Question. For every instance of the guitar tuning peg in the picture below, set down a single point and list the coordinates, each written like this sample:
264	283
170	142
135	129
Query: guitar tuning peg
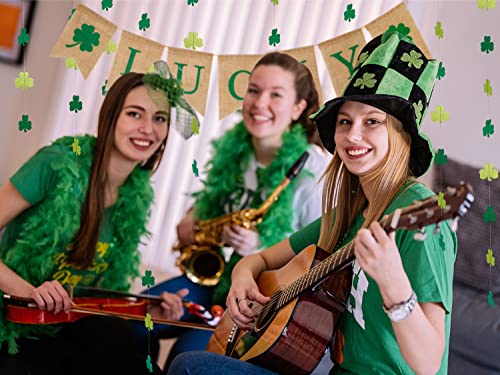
420	235
437	229
454	224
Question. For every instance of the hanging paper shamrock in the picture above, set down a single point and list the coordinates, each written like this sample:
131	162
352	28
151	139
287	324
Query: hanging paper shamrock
103	88
24	124
148	322
490	259
487	45
148	279
71	63
195	128
75	105
488	129
144	22
350	13
275	2
110	47
86	37
149	365
23	38
486	4
76	147
194	167
488	90
441	158
488	172
440	115
441	71
274	38
24	81
192	2
438	30
489	215
441	200
192	41
491	302
106	4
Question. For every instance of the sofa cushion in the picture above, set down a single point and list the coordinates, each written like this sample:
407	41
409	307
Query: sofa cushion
473	233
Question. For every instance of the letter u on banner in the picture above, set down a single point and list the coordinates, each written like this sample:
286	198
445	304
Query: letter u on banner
134	54
193	70
84	38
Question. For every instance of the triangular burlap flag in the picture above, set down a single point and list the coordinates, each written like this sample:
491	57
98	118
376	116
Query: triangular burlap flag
306	56
134	54
84	38
234	71
340	55
393	17
193	70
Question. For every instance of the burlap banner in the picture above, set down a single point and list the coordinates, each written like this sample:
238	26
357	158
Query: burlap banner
86	35
84	38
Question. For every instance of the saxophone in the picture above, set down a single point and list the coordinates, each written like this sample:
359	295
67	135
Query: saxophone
201	261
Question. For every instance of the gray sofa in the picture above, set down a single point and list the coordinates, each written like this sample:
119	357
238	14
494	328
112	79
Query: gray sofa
475	328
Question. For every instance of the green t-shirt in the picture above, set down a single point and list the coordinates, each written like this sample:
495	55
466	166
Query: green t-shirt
35	180
370	346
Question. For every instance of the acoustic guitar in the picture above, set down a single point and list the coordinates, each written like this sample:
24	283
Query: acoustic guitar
308	295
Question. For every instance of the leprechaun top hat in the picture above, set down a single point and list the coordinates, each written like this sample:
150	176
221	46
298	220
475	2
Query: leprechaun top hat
391	74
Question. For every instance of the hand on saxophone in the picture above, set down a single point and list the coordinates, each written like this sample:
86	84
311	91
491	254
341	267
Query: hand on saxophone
185	229
243	241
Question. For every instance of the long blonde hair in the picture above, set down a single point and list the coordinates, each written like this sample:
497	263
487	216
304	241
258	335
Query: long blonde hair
342	197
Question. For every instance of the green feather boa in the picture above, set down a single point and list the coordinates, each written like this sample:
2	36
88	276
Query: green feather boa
226	175
55	221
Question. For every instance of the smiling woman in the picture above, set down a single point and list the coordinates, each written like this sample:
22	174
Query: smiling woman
97	193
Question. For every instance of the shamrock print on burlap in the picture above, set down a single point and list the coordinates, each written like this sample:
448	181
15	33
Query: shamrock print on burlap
86	37
488	129
76	104
487	45
192	41
148	279
274	38
349	13
24	124
23	38
144	22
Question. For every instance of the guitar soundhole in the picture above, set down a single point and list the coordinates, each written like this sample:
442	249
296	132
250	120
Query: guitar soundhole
267	313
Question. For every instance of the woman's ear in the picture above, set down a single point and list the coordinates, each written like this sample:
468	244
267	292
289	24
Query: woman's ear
298	108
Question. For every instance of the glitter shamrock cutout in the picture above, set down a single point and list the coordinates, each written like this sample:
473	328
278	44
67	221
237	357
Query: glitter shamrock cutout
194	167
24	81
76	104
490	259
23	38
24	124
76	147
71	63
441	158
349	13
149	365
106	4
110	47
441	200
86	37
148	279
148	322
488	90
144	22
488	129
440	115
488	172
192	2
193	41
486	4
438	30
195	128
441	71
487	45
274	38
489	215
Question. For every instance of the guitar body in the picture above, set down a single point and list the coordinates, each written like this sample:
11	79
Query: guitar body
294	339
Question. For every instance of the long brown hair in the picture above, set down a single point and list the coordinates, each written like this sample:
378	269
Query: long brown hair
343	198
84	244
304	88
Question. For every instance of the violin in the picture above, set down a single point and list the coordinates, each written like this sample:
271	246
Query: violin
106	302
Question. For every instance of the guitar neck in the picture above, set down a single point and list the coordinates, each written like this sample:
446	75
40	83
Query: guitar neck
333	263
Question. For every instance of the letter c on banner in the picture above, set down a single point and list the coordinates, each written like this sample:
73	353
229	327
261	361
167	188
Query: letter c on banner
230	84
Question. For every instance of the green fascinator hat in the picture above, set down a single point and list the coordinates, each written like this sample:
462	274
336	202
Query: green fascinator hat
391	74
164	89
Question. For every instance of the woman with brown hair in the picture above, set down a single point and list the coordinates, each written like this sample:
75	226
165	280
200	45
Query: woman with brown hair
73	215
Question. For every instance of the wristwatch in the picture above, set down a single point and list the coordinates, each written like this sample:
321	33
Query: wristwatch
402	310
